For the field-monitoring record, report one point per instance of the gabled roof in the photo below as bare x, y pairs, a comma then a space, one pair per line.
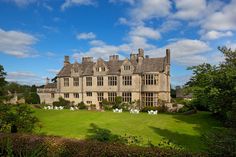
147, 65
65, 71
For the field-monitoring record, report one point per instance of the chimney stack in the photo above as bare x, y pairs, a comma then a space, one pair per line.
66, 60
87, 59
47, 80
168, 56
140, 52
140, 55
114, 58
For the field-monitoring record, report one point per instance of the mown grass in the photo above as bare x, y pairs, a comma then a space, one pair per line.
182, 130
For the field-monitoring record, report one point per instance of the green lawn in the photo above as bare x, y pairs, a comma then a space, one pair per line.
183, 130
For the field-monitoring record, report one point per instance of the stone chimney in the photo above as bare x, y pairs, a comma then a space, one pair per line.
114, 58
47, 80
140, 52
66, 60
167, 56
87, 59
133, 56
140, 55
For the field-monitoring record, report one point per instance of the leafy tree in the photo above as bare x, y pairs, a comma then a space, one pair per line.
13, 87
214, 87
172, 92
17, 118
3, 83
33, 89
32, 98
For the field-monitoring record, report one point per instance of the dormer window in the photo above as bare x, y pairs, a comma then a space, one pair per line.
99, 69
126, 67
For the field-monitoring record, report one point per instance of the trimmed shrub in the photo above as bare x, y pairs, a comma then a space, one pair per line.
106, 104
92, 106
82, 106
62, 102
160, 108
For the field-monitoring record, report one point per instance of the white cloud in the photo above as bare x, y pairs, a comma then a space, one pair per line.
139, 42
70, 3
96, 43
189, 9
123, 21
123, 1
22, 77
186, 47
146, 32
212, 35
53, 71
17, 43
85, 36
180, 79
170, 25
48, 7
223, 19
22, 3
231, 45
149, 9
185, 51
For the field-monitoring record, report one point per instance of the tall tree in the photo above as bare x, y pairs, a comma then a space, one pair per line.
214, 87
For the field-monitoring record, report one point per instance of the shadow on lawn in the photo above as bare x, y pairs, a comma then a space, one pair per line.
187, 142
203, 122
105, 135
101, 134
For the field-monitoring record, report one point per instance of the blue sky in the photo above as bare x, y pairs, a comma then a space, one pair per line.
36, 34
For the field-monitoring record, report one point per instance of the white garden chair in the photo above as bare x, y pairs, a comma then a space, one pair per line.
151, 112
61, 107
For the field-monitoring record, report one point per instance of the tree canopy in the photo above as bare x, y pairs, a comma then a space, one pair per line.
214, 86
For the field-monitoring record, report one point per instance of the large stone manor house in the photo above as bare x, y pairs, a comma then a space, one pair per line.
137, 78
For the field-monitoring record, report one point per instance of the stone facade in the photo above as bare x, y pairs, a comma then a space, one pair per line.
137, 78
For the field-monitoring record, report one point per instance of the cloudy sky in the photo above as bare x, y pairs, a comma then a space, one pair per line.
36, 34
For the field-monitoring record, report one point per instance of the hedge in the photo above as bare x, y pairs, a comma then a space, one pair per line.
47, 146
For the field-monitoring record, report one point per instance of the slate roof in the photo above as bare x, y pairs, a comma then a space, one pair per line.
147, 65
51, 85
